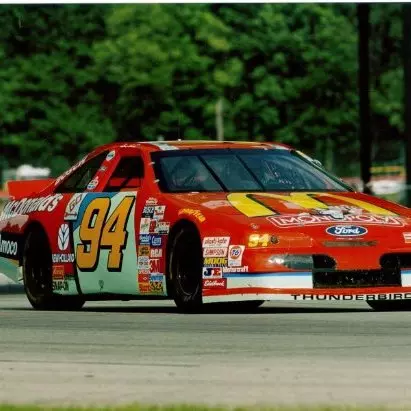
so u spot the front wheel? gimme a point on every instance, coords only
(185, 269)
(390, 305)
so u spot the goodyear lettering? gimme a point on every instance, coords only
(195, 213)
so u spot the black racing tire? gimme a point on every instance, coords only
(185, 270)
(390, 305)
(37, 276)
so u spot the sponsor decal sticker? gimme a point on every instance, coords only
(162, 227)
(153, 225)
(235, 255)
(144, 288)
(8, 248)
(216, 204)
(60, 285)
(62, 258)
(63, 237)
(148, 212)
(156, 240)
(143, 263)
(243, 269)
(154, 265)
(215, 272)
(151, 284)
(93, 184)
(145, 239)
(145, 226)
(156, 253)
(147, 272)
(159, 212)
(58, 272)
(73, 207)
(156, 277)
(215, 252)
(157, 284)
(110, 155)
(143, 250)
(215, 261)
(346, 230)
(143, 278)
(219, 283)
(130, 145)
(151, 201)
(216, 242)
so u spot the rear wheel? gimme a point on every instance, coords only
(390, 305)
(185, 269)
(38, 279)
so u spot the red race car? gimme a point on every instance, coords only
(204, 222)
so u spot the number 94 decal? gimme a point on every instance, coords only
(101, 230)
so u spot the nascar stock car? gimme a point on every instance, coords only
(204, 222)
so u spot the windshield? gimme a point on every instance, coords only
(241, 170)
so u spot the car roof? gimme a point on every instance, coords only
(191, 144)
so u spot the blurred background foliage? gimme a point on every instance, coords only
(76, 76)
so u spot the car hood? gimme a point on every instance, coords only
(299, 211)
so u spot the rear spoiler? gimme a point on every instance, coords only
(18, 189)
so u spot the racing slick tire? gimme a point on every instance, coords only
(185, 269)
(390, 305)
(37, 276)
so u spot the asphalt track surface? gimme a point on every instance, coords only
(117, 352)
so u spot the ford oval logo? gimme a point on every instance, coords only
(346, 230)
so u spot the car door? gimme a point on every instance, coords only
(74, 186)
(104, 232)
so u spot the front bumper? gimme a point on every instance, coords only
(296, 286)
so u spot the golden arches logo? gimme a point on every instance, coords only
(251, 206)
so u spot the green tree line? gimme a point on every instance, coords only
(76, 76)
